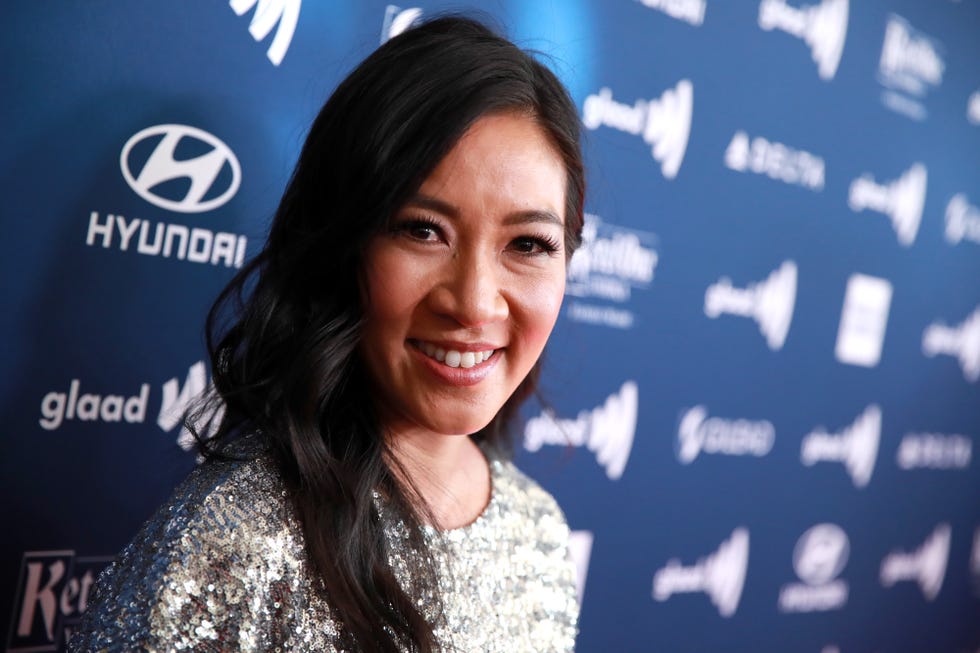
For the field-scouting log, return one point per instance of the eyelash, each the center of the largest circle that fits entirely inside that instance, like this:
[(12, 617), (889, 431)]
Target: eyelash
[(408, 225), (546, 243)]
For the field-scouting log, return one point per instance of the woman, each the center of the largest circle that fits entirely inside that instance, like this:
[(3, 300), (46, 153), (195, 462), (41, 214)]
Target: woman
[(357, 494)]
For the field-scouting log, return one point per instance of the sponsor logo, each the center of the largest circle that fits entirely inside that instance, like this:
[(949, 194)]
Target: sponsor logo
[(204, 172), (611, 262), (973, 108), (580, 550), (606, 430), (689, 11), (52, 593), (712, 435), (823, 27), (269, 13), (962, 220), (863, 320), (196, 244), (961, 341), (720, 575), (58, 407), (398, 20), (819, 557), (664, 123), (926, 565), (911, 63), (775, 160), (901, 200), (151, 166), (856, 446), (769, 302), (616, 318), (177, 401), (934, 451)]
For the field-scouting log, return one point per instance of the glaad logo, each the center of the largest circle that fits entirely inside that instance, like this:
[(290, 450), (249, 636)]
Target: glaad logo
[(775, 160), (901, 200), (268, 14), (823, 27), (163, 166), (177, 401), (689, 11), (606, 430), (580, 550), (769, 302), (697, 432), (961, 342), (863, 320), (52, 593), (609, 264), (856, 446), (934, 451), (819, 557), (910, 63), (398, 20), (58, 407), (664, 123), (962, 220), (926, 565), (720, 575)]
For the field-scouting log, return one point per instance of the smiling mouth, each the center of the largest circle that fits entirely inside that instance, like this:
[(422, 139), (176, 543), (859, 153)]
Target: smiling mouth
[(452, 357)]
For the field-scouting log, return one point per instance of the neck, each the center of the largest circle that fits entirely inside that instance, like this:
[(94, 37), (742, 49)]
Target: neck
[(449, 472)]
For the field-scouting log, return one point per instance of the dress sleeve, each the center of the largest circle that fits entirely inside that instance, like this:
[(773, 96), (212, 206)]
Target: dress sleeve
[(214, 570)]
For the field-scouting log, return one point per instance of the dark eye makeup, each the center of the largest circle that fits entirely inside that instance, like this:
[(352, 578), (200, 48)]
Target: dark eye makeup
[(425, 229)]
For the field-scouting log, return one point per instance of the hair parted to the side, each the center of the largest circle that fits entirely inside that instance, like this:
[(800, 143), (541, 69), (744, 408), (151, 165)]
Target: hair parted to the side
[(283, 335)]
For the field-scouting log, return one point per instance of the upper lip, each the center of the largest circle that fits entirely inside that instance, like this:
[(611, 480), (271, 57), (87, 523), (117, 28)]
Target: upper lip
[(455, 345)]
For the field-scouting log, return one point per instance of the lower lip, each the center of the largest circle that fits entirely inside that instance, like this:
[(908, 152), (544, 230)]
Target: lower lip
[(458, 376)]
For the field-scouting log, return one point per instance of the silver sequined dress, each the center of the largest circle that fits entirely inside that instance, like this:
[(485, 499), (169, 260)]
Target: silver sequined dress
[(221, 567)]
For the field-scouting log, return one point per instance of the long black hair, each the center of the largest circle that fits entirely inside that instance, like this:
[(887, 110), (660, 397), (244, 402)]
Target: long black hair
[(283, 336)]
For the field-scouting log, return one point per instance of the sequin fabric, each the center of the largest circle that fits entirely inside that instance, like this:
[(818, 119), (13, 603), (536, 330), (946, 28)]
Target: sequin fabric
[(222, 567)]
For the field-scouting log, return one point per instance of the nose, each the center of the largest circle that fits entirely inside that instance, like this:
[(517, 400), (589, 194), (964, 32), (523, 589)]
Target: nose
[(471, 293)]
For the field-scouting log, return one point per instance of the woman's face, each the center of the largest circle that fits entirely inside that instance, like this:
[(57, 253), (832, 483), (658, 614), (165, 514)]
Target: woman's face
[(465, 285)]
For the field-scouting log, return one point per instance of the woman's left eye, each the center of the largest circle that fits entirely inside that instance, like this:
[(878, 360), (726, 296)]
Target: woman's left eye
[(533, 245)]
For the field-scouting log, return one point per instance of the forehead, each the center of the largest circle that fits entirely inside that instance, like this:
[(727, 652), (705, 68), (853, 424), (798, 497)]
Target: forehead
[(501, 158)]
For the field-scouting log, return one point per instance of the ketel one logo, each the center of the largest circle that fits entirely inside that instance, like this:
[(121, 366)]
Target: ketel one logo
[(52, 593), (204, 178)]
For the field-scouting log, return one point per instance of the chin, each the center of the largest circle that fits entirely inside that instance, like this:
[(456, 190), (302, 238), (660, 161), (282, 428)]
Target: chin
[(452, 427)]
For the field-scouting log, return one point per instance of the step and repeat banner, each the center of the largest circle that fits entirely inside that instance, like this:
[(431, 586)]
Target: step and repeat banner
[(761, 404)]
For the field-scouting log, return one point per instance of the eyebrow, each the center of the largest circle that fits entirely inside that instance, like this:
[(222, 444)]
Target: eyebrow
[(517, 217)]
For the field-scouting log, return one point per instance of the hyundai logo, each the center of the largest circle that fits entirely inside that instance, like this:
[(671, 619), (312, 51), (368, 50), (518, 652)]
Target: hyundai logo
[(162, 166)]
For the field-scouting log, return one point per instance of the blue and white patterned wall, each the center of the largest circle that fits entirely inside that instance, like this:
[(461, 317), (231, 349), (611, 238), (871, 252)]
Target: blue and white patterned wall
[(764, 389)]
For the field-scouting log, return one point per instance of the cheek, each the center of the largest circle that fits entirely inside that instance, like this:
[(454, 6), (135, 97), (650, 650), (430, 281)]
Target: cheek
[(540, 304), (391, 286)]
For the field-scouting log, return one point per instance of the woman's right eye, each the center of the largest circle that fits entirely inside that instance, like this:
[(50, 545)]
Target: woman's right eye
[(424, 230)]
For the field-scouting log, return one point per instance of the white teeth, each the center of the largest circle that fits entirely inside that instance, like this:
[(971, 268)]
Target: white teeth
[(454, 358)]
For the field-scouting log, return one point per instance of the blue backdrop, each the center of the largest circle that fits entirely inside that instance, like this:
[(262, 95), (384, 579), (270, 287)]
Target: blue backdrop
[(762, 394)]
